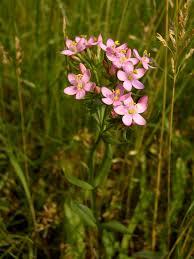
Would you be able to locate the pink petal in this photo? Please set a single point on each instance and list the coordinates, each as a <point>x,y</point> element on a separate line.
<point>77,38</point>
<point>102,46</point>
<point>145,65</point>
<point>127,85</point>
<point>137,84</point>
<point>110,43</point>
<point>134,61</point>
<point>117,63</point>
<point>125,97</point>
<point>99,38</point>
<point>80,94</point>
<point>127,119</point>
<point>68,43</point>
<point>121,110</point>
<point>71,90</point>
<point>85,78</point>
<point>82,68</point>
<point>123,46</point>
<point>128,67</point>
<point>89,86</point>
<point>107,101</point>
<point>138,119</point>
<point>81,45</point>
<point>106,92</point>
<point>139,72</point>
<point>142,104</point>
<point>136,54</point>
<point>117,103</point>
<point>67,52</point>
<point>129,101</point>
<point>72,78</point>
<point>128,54</point>
<point>121,75</point>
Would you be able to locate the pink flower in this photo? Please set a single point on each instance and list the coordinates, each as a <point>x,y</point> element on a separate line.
<point>80,83</point>
<point>113,52</point>
<point>130,77</point>
<point>131,111</point>
<point>112,48</point>
<point>122,59</point>
<point>144,60</point>
<point>114,97</point>
<point>74,47</point>
<point>94,41</point>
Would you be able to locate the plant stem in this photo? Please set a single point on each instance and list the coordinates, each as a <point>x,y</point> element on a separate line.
<point>155,215</point>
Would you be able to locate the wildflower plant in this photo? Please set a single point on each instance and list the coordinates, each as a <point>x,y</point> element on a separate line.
<point>118,61</point>
<point>108,76</point>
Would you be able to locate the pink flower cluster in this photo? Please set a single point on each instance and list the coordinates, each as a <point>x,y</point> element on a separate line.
<point>126,65</point>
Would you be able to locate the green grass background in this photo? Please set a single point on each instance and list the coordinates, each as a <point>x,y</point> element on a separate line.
<point>150,185</point>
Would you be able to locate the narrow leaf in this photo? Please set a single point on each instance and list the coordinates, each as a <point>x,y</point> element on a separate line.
<point>75,181</point>
<point>84,213</point>
<point>115,226</point>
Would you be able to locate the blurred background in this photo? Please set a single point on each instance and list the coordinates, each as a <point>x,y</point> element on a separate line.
<point>148,195</point>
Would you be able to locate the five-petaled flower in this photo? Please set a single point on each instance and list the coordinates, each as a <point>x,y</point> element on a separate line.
<point>131,111</point>
<point>80,84</point>
<point>74,47</point>
<point>144,60</point>
<point>114,97</point>
<point>130,77</point>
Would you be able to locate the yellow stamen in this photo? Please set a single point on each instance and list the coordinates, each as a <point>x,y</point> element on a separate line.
<point>79,86</point>
<point>117,91</point>
<point>130,77</point>
<point>132,111</point>
<point>117,42</point>
<point>122,59</point>
<point>79,76</point>
<point>123,51</point>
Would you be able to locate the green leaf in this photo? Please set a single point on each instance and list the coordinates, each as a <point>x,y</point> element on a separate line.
<point>75,181</point>
<point>22,178</point>
<point>105,166</point>
<point>84,213</point>
<point>115,226</point>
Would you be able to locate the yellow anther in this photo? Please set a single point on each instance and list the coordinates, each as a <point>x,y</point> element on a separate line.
<point>123,51</point>
<point>74,43</point>
<point>117,91</point>
<point>135,71</point>
<point>79,76</point>
<point>145,53</point>
<point>132,111</point>
<point>122,59</point>
<point>130,77</point>
<point>117,42</point>
<point>116,97</point>
<point>79,86</point>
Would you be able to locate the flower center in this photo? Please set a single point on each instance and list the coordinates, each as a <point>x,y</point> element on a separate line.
<point>79,86</point>
<point>123,51</point>
<point>117,91</point>
<point>132,111</point>
<point>130,77</point>
<point>123,59</point>
<point>79,76</point>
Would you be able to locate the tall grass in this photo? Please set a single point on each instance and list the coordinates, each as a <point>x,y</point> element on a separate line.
<point>148,195</point>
